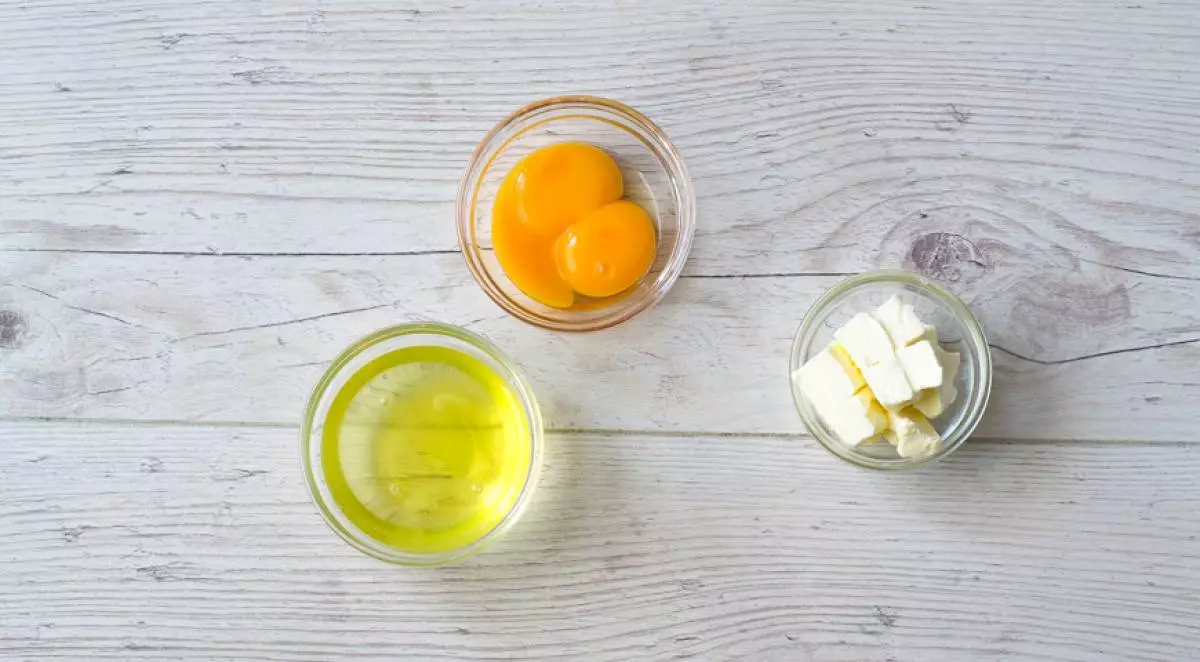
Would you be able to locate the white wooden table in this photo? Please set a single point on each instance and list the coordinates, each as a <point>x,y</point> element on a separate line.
<point>202,202</point>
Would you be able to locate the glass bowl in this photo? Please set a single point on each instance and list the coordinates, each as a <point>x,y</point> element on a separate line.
<point>341,376</point>
<point>655,178</point>
<point>958,331</point>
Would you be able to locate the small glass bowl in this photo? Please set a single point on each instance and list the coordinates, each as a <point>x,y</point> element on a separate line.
<point>958,331</point>
<point>655,178</point>
<point>362,353</point>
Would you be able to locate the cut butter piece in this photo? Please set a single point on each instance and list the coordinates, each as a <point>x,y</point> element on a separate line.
<point>900,321</point>
<point>950,363</point>
<point>921,365</point>
<point>865,341</point>
<point>910,432</point>
<point>889,383</point>
<point>886,373</point>
<point>829,375</point>
<point>856,419</point>
<point>934,402</point>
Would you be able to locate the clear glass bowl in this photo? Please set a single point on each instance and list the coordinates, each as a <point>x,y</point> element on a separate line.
<point>958,331</point>
<point>360,354</point>
<point>655,178</point>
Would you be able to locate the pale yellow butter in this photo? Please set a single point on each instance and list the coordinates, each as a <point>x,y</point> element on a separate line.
<point>889,383</point>
<point>921,365</point>
<point>865,341</point>
<point>910,432</point>
<point>900,321</point>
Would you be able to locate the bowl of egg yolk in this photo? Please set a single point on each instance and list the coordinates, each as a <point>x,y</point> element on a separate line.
<point>576,213</point>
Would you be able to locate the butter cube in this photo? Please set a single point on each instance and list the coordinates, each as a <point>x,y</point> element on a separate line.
<point>933,402</point>
<point>931,335</point>
<point>856,419</point>
<point>911,433</point>
<point>889,383</point>
<point>950,363</point>
<point>900,321</point>
<point>829,375</point>
<point>865,341</point>
<point>921,365</point>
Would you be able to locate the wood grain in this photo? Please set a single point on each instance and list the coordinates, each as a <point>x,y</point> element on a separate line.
<point>1039,164</point>
<point>244,339</point>
<point>166,542</point>
<point>201,203</point>
<point>819,138</point>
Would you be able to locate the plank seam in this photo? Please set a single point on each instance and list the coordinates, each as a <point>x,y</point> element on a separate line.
<point>613,432</point>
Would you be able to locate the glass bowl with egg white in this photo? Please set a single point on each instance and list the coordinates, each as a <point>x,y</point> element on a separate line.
<point>890,371</point>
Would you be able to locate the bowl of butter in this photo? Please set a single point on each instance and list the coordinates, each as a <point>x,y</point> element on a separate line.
<point>890,371</point>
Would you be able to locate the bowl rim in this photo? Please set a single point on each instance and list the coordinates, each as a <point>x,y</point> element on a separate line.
<point>975,333</point>
<point>681,189</point>
<point>313,476</point>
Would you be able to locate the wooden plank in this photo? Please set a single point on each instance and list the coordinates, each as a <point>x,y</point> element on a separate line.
<point>1041,159</point>
<point>239,339</point>
<point>820,139</point>
<point>154,541</point>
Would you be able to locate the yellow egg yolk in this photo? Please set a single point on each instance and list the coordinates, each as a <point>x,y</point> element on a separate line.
<point>560,228</point>
<point>556,185</point>
<point>527,258</point>
<point>608,250</point>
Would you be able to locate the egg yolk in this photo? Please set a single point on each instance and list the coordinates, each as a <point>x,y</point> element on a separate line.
<point>607,251</point>
<point>556,185</point>
<point>527,258</point>
<point>561,229</point>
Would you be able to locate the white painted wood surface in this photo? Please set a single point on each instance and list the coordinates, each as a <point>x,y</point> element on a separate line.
<point>166,542</point>
<point>201,203</point>
<point>170,338</point>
